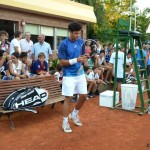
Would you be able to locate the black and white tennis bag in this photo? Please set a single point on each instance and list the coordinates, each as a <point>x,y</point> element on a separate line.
<point>25,99</point>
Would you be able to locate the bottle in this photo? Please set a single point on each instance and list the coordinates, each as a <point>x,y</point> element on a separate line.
<point>148,108</point>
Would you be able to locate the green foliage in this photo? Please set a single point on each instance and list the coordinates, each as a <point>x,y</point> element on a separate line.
<point>107,13</point>
<point>55,63</point>
<point>143,22</point>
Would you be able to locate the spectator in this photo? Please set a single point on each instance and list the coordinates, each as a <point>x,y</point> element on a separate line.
<point>99,47</point>
<point>4,43</point>
<point>129,58</point>
<point>140,63</point>
<point>107,57</point>
<point>59,74</point>
<point>91,60</point>
<point>110,47</point>
<point>40,66</point>
<point>120,68</point>
<point>16,67</point>
<point>4,70</point>
<point>27,63</point>
<point>101,63</point>
<point>91,84</point>
<point>26,44</point>
<point>15,45</point>
<point>42,46</point>
<point>87,47</point>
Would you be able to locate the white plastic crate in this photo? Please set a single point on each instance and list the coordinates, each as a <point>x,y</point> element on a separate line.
<point>106,98</point>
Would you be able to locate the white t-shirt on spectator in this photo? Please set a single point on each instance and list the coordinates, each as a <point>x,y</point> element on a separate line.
<point>101,60</point>
<point>128,60</point>
<point>45,48</point>
<point>120,63</point>
<point>14,43</point>
<point>4,47</point>
<point>92,76</point>
<point>25,46</point>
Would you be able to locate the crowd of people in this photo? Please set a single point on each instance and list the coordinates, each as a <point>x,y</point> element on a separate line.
<point>21,59</point>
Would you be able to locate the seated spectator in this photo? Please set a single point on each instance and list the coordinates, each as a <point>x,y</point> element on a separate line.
<point>107,57</point>
<point>87,47</point>
<point>91,84</point>
<point>4,43</point>
<point>4,70</point>
<point>91,60</point>
<point>101,63</point>
<point>40,66</point>
<point>129,57</point>
<point>130,75</point>
<point>16,67</point>
<point>27,63</point>
<point>59,74</point>
<point>99,47</point>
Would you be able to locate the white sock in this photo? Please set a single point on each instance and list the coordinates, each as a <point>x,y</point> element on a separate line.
<point>75,112</point>
<point>65,119</point>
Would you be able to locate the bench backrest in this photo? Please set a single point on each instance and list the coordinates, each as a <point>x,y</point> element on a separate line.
<point>47,82</point>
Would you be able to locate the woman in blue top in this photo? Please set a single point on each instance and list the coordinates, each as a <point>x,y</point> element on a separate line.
<point>71,56</point>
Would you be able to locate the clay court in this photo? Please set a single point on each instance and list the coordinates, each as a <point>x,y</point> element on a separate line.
<point>103,129</point>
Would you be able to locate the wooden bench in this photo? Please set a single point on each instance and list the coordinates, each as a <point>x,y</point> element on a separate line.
<point>47,82</point>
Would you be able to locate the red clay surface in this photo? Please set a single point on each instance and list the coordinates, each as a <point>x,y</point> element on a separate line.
<point>103,129</point>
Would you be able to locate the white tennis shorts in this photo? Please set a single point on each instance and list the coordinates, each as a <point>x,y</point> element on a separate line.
<point>74,85</point>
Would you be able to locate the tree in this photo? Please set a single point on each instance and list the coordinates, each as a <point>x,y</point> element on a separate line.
<point>143,21</point>
<point>107,13</point>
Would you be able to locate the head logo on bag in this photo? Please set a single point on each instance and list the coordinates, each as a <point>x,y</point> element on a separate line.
<point>26,99</point>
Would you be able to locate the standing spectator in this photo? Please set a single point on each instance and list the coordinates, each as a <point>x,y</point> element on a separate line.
<point>15,45</point>
<point>120,68</point>
<point>26,44</point>
<point>42,46</point>
<point>3,38</point>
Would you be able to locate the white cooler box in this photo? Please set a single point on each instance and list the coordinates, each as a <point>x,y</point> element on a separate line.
<point>106,98</point>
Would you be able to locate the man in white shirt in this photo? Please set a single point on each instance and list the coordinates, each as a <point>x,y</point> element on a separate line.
<point>15,45</point>
<point>26,44</point>
<point>42,46</point>
<point>120,68</point>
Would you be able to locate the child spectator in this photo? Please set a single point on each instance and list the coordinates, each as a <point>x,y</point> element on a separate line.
<point>4,70</point>
<point>59,74</point>
<point>16,67</point>
<point>90,82</point>
<point>40,66</point>
<point>27,63</point>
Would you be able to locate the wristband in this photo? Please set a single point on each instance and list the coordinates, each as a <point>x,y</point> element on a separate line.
<point>72,61</point>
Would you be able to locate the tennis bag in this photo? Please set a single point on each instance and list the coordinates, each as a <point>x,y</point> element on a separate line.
<point>25,99</point>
